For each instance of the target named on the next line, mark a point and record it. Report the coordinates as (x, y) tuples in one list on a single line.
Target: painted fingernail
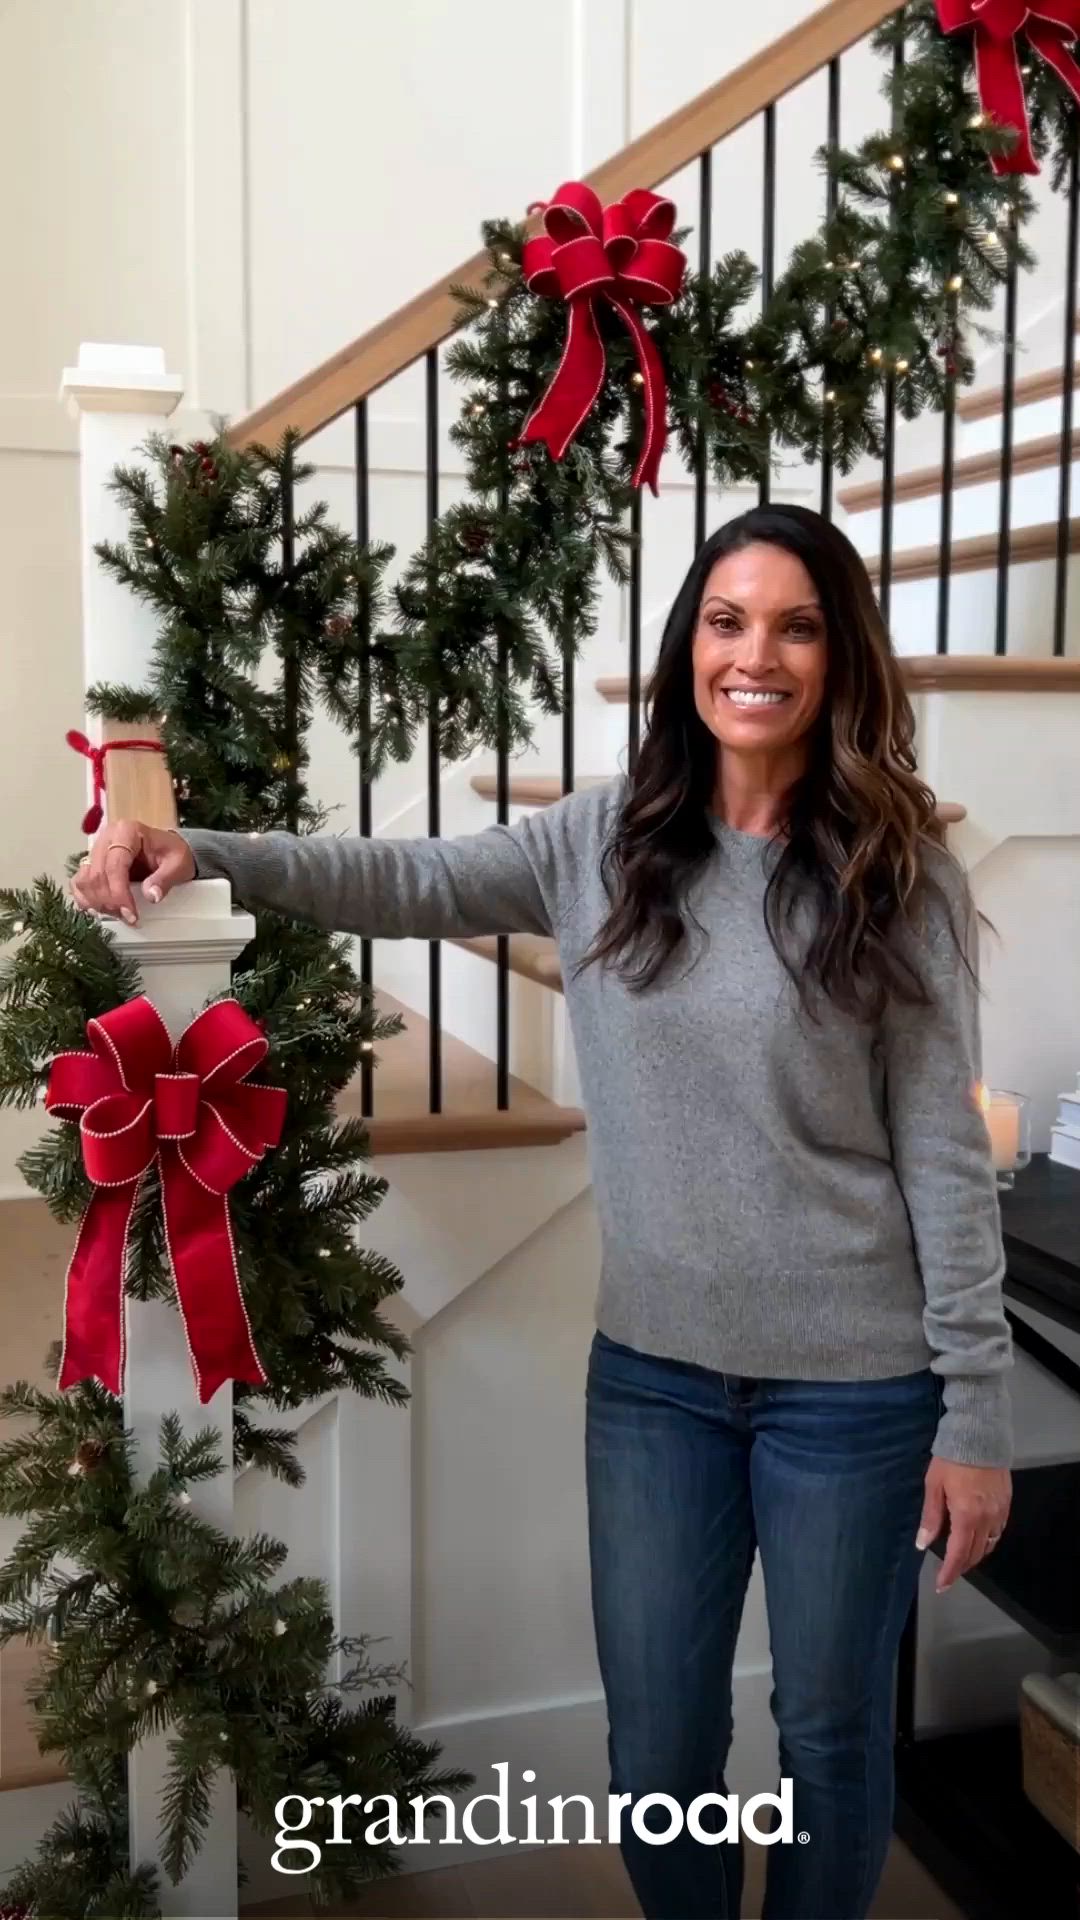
[(126, 913), (922, 1540), (151, 892)]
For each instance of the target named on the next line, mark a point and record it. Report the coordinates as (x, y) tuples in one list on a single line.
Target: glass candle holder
[(1008, 1122)]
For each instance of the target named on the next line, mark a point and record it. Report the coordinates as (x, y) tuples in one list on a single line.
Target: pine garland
[(887, 297), (155, 1621)]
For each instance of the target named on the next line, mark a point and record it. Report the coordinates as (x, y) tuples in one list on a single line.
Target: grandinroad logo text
[(385, 1828)]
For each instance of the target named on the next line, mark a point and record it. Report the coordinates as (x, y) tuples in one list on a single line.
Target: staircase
[(960, 559)]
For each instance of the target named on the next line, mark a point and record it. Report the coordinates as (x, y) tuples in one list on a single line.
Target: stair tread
[(531, 789), (402, 1121), (978, 551), (950, 811), (532, 956), (1030, 456), (960, 672)]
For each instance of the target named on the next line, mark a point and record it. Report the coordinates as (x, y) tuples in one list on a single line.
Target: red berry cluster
[(725, 402)]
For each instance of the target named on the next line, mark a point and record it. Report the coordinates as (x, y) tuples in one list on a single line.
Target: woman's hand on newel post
[(127, 851)]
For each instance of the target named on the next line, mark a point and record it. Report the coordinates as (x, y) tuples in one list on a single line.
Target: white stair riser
[(975, 510), (973, 610), (1029, 423)]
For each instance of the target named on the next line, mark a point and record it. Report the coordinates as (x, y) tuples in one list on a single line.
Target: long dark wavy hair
[(858, 825)]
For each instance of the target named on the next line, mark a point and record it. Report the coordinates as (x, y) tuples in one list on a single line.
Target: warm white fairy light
[(637, 378), (831, 395), (902, 366), (955, 283), (18, 926), (952, 199), (876, 355), (493, 303), (279, 1629), (896, 162), (977, 120)]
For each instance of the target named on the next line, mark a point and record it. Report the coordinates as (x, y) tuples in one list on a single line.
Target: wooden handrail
[(385, 350)]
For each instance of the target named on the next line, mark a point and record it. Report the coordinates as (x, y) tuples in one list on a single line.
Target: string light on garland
[(18, 926), (977, 122), (955, 282), (902, 366), (367, 1046), (151, 1689), (896, 162), (831, 396), (637, 378), (877, 355), (952, 199), (279, 1629)]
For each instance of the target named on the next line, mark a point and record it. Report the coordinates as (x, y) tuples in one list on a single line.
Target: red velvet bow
[(623, 254), (1051, 26), (96, 755), (136, 1098)]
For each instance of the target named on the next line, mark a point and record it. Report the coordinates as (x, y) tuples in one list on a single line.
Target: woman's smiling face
[(759, 651)]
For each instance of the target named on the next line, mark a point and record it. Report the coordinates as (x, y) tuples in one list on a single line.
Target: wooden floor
[(588, 1883)]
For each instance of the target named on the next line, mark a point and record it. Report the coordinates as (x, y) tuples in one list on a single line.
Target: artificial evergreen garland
[(152, 1620), (888, 297)]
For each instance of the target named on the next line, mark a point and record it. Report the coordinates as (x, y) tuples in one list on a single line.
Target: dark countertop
[(1040, 1220)]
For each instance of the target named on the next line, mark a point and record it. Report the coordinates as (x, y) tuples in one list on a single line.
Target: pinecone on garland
[(338, 625), (89, 1455)]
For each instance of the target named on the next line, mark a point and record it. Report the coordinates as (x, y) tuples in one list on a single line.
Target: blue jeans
[(689, 1472)]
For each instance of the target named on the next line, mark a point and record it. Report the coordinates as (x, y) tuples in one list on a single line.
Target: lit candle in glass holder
[(1008, 1122)]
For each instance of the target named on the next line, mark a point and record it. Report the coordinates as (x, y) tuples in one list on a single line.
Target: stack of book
[(1065, 1135)]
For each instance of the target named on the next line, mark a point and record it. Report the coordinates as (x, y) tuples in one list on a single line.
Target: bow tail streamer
[(1001, 89), (575, 385), (94, 1293), (647, 470), (198, 1234)]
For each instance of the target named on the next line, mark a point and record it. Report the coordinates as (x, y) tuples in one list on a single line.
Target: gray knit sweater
[(776, 1198)]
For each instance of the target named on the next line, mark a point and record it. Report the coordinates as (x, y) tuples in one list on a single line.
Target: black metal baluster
[(634, 735), (1061, 586), (502, 815), (701, 474), (768, 266), (888, 474), (569, 663), (948, 456), (1008, 411), (831, 199), (435, 1088), (363, 535), (290, 674)]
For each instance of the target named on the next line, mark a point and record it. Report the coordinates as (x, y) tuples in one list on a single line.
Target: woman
[(801, 1347)]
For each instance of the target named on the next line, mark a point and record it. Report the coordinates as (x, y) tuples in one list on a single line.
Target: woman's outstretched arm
[(504, 880), (387, 889)]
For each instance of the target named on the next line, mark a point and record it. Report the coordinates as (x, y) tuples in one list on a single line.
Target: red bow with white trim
[(137, 1099), (1052, 28), (621, 254)]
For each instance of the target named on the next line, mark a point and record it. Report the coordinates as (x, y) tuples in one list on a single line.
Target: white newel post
[(183, 948)]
